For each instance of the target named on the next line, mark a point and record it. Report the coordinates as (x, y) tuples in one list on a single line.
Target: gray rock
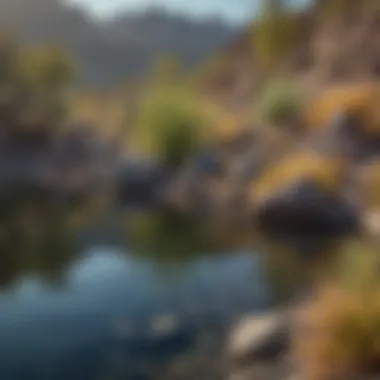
[(260, 339)]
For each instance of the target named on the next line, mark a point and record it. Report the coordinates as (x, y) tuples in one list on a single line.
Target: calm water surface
[(119, 299)]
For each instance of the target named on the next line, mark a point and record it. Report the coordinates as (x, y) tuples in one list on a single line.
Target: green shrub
[(280, 105), (170, 125)]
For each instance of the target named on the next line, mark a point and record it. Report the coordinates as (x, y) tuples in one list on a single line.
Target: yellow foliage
[(325, 172), (361, 101), (227, 125)]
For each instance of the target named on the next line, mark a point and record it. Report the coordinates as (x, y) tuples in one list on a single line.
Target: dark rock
[(208, 163), (304, 210), (140, 182)]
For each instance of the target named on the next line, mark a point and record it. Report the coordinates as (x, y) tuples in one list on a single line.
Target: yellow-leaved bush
[(325, 172), (361, 101)]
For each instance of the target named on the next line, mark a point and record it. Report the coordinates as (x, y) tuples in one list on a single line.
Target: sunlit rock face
[(302, 209)]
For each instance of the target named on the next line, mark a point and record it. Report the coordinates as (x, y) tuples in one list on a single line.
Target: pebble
[(164, 324)]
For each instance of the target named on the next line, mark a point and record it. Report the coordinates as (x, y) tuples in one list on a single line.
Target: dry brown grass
[(337, 333), (225, 124), (340, 334), (361, 100)]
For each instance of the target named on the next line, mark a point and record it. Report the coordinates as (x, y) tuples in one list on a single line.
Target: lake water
[(119, 302)]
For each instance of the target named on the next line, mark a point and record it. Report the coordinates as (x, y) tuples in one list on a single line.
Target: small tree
[(170, 124)]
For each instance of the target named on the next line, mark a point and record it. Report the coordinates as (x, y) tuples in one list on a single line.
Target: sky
[(235, 11)]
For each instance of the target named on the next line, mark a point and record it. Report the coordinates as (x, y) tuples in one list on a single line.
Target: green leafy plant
[(280, 104)]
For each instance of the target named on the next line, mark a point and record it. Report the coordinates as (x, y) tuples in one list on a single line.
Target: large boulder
[(302, 209)]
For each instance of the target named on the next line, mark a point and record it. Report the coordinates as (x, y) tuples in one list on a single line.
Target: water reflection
[(108, 307), (115, 297), (119, 295), (172, 236), (40, 248)]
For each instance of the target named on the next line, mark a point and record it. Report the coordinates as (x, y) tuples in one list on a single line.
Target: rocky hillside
[(327, 49)]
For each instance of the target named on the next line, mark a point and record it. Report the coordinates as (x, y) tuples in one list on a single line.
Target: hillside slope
[(112, 50)]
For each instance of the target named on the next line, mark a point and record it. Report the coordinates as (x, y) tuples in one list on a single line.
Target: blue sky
[(231, 10)]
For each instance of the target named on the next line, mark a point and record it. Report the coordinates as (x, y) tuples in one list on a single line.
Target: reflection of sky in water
[(43, 327)]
